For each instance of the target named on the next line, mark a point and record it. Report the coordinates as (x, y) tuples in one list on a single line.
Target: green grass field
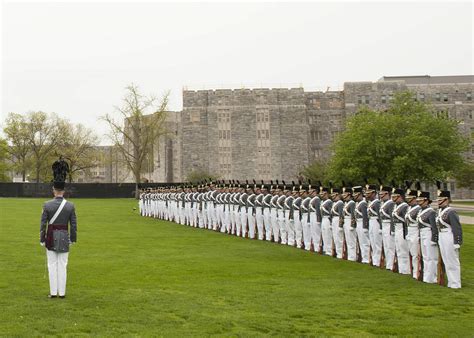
[(129, 275)]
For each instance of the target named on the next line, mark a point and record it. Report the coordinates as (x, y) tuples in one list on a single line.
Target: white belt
[(398, 224), (413, 225), (385, 221), (373, 217), (325, 216), (445, 230)]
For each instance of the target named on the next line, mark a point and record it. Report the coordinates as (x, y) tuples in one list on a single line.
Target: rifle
[(419, 274), (441, 270), (382, 256), (395, 262)]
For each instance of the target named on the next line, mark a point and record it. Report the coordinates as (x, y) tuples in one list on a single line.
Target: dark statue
[(60, 170)]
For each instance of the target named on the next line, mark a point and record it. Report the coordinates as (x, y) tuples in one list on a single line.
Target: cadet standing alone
[(56, 236)]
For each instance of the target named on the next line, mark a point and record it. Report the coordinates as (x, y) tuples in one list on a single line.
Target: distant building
[(268, 134)]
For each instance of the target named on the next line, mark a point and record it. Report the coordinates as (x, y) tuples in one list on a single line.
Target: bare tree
[(78, 146), (19, 149), (142, 123), (43, 133)]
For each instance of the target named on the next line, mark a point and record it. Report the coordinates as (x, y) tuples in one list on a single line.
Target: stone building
[(274, 133), (268, 134)]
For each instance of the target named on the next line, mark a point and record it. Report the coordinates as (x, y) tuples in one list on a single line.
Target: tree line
[(33, 141)]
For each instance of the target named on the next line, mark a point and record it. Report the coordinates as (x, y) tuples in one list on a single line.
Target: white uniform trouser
[(282, 224), (275, 226), (290, 228), (238, 226), (429, 251), (243, 221), (251, 223), (351, 236), (315, 227), (222, 217), (413, 239), (364, 241), (450, 257), (200, 216), (338, 236), (57, 268), (375, 236), (210, 209), (267, 224), (225, 219), (259, 221), (388, 245), (214, 216), (232, 209), (195, 215), (327, 235), (298, 230), (401, 248), (305, 225)]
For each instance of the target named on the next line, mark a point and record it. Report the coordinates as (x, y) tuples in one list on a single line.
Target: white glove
[(42, 243), (366, 230), (380, 231), (457, 247), (433, 243), (352, 229)]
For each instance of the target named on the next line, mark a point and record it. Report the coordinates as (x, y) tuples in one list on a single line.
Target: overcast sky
[(76, 58)]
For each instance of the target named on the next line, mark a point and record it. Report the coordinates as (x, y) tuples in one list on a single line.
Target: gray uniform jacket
[(66, 217)]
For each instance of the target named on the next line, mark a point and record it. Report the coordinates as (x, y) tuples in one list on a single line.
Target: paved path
[(466, 219)]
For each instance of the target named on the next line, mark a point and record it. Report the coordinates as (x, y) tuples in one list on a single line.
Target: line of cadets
[(388, 227)]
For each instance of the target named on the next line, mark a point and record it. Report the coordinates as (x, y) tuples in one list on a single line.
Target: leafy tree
[(316, 171), (78, 147), (16, 131), (43, 134), (406, 142), (142, 123), (4, 161)]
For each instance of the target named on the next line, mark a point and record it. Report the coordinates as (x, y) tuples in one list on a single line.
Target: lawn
[(129, 275)]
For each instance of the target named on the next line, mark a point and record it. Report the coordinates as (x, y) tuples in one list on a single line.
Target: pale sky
[(75, 59)]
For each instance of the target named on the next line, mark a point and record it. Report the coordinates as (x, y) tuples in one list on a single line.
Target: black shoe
[(62, 296), (52, 296)]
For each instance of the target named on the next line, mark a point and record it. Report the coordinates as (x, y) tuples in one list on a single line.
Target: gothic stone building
[(268, 134)]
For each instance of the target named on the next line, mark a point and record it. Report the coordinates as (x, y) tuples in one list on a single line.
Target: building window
[(445, 97), (263, 144), (468, 96), (224, 145), (315, 135), (363, 99), (384, 99), (438, 97), (421, 97), (470, 114)]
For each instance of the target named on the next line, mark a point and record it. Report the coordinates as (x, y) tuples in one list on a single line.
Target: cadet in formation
[(389, 227)]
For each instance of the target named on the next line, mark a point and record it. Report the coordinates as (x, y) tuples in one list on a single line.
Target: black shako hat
[(59, 185), (398, 191), (424, 194)]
